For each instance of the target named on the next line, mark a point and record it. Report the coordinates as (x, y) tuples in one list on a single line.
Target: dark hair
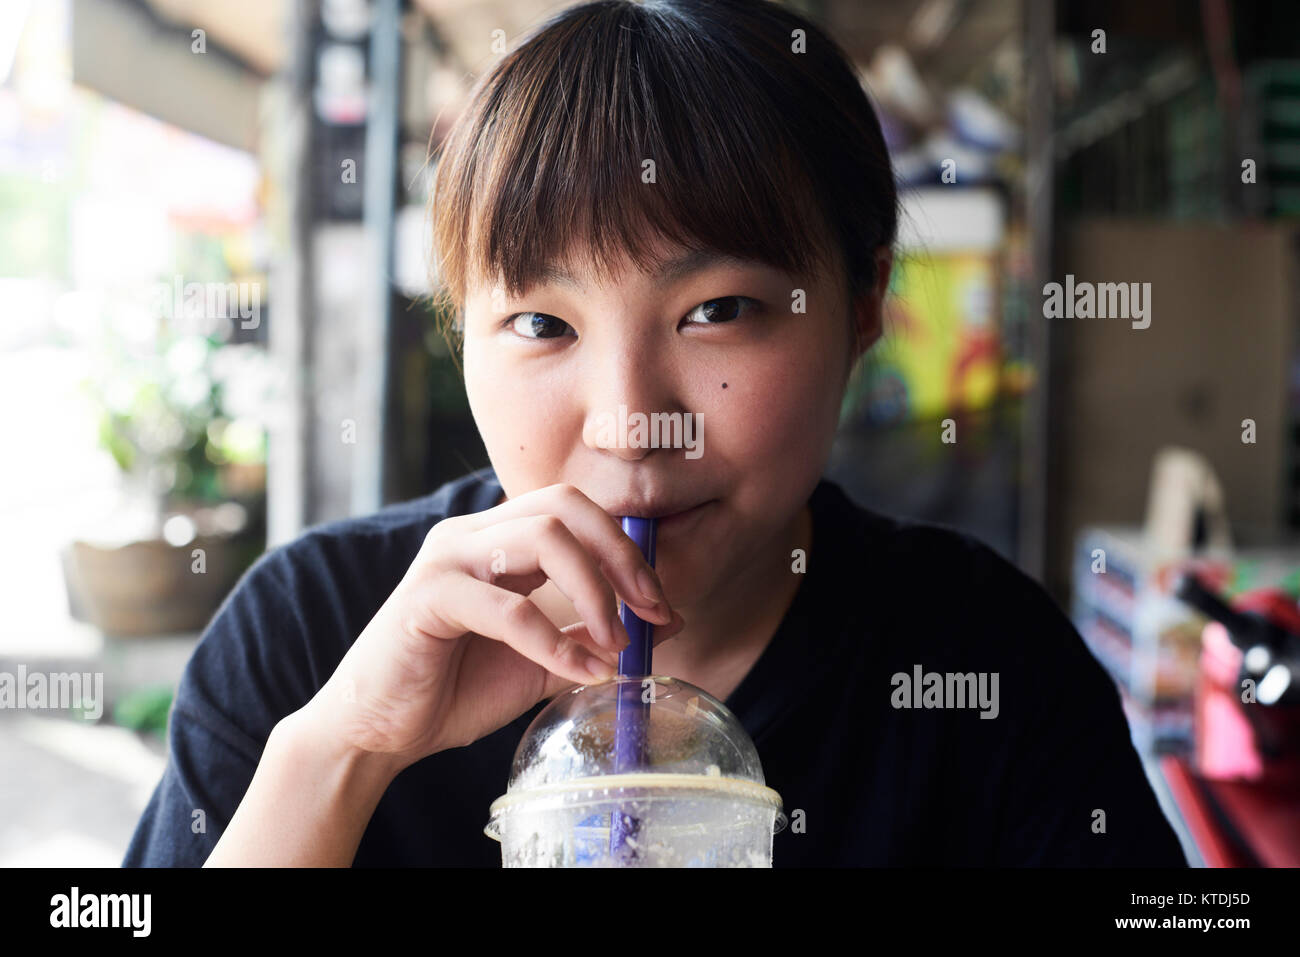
[(760, 151)]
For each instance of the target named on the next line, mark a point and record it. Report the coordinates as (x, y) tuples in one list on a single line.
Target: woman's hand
[(459, 650)]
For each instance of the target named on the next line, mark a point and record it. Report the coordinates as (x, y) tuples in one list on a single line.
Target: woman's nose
[(626, 398)]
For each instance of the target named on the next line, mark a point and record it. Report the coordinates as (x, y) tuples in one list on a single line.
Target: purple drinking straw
[(631, 713)]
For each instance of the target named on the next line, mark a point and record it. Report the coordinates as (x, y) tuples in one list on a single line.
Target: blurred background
[(216, 332)]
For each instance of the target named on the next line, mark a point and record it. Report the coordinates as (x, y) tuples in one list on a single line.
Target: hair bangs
[(610, 129)]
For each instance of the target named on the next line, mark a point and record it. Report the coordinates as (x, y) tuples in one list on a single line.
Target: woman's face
[(754, 386)]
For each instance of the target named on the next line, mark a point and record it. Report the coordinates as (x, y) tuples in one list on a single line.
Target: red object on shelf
[(1274, 604), (1238, 742), (1236, 824)]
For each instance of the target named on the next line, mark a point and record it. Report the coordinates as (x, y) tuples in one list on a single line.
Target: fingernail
[(621, 639), (652, 592), (599, 669)]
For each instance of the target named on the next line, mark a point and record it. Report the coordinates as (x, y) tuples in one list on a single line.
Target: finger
[(543, 543), (576, 630), (501, 615), (616, 553), (667, 632), (554, 684), (662, 633)]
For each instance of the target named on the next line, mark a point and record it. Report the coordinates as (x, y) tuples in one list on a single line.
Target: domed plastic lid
[(654, 725)]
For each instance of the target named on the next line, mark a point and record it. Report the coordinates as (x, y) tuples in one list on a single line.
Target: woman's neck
[(726, 635)]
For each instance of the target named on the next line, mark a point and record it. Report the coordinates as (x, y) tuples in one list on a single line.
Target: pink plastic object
[(1225, 740)]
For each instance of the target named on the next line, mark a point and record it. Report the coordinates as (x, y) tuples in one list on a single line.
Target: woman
[(672, 209)]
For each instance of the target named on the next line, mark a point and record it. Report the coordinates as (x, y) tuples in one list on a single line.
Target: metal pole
[(289, 446), (1036, 442), (383, 121)]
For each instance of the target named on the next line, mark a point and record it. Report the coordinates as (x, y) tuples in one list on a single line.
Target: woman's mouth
[(681, 521)]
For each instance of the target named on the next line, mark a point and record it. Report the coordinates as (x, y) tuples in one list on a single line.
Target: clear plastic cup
[(678, 785)]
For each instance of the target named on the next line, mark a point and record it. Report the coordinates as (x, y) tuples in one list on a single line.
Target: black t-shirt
[(1051, 779)]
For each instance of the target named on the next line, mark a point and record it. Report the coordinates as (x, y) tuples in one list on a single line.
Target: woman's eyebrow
[(668, 272)]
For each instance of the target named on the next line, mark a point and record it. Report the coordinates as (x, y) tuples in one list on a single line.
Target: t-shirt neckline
[(785, 659)]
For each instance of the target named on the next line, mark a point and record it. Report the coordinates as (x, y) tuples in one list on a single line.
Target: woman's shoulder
[(930, 579), (474, 492), (332, 577), (892, 546), (390, 534)]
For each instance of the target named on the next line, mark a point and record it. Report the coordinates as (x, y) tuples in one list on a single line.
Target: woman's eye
[(715, 312), (537, 325)]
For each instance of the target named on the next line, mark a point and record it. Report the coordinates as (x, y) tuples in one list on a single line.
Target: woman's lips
[(684, 519)]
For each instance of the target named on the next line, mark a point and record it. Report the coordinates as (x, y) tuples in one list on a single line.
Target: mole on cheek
[(724, 385)]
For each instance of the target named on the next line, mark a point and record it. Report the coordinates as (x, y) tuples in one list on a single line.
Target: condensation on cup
[(686, 791)]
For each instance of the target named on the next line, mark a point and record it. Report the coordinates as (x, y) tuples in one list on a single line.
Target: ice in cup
[(636, 772)]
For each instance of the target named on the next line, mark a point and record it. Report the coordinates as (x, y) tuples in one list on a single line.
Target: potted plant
[(181, 411)]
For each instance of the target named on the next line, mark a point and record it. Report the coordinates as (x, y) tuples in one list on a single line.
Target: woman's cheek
[(495, 407), (773, 412), (527, 420)]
